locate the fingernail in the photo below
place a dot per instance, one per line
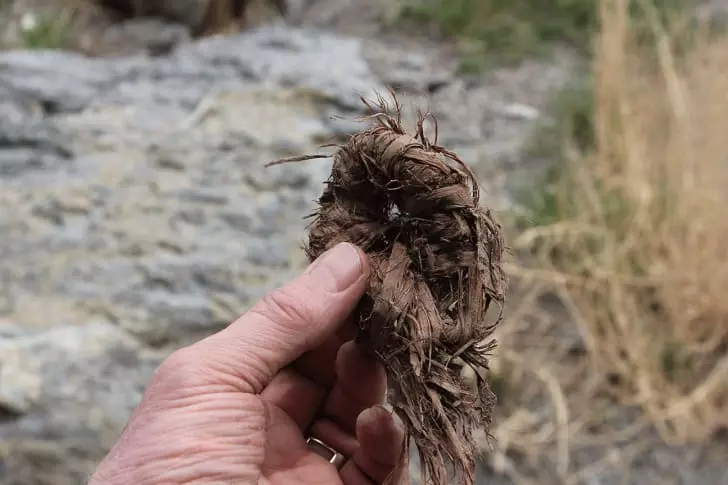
(338, 268)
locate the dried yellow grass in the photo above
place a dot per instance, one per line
(639, 261)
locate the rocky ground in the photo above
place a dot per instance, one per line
(137, 216)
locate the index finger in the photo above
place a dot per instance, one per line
(319, 364)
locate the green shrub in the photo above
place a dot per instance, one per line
(51, 28)
(544, 195)
(508, 30)
(49, 32)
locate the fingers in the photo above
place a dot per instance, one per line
(300, 390)
(381, 442)
(333, 435)
(360, 383)
(296, 396)
(319, 364)
(288, 322)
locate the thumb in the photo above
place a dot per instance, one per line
(289, 321)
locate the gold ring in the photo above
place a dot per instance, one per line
(325, 451)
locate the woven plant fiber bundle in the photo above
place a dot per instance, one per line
(436, 288)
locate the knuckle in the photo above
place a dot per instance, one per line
(191, 371)
(178, 371)
(178, 361)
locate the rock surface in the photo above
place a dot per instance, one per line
(138, 217)
(64, 396)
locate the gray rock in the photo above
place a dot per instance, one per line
(194, 216)
(10, 330)
(154, 35)
(189, 274)
(268, 253)
(55, 208)
(73, 389)
(343, 126)
(263, 217)
(60, 81)
(240, 219)
(273, 55)
(412, 71)
(6, 304)
(285, 147)
(29, 146)
(294, 58)
(15, 161)
(31, 134)
(169, 161)
(204, 196)
(168, 318)
(14, 109)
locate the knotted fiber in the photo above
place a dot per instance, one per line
(436, 288)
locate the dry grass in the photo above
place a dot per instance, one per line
(638, 259)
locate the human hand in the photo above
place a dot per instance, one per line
(238, 406)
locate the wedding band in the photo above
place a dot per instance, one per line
(327, 452)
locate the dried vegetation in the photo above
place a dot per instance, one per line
(617, 339)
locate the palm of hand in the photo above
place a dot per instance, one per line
(198, 427)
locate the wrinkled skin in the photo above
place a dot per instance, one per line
(235, 408)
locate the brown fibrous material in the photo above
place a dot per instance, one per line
(436, 270)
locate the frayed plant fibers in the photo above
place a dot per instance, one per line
(436, 270)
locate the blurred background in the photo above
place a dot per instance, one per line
(136, 215)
